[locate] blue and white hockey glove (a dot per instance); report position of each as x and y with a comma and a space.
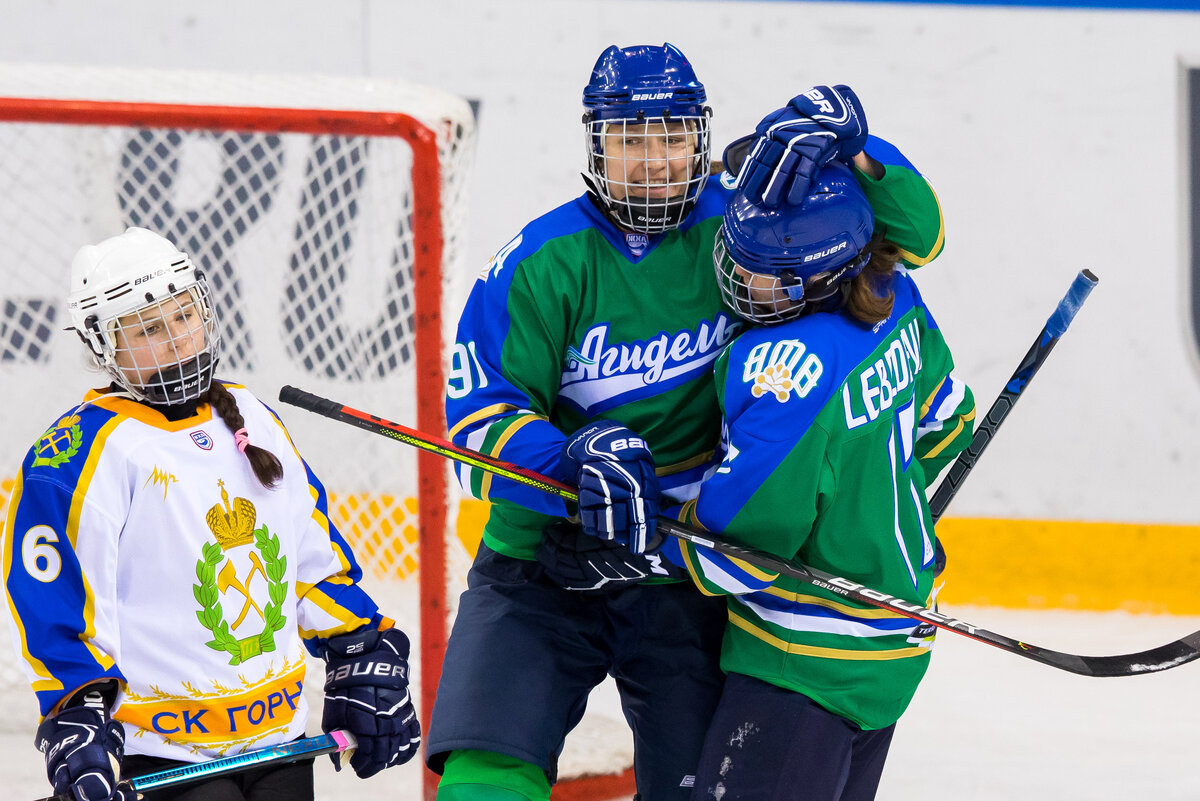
574, 561
793, 143
83, 748
618, 490
366, 693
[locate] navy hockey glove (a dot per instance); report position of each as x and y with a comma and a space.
793, 143
574, 561
366, 693
83, 748
618, 490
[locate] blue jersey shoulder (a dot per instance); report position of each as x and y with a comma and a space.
61, 452
780, 377
886, 153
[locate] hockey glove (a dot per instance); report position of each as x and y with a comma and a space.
83, 748
793, 144
574, 561
618, 490
366, 693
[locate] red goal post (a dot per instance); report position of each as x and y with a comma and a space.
328, 214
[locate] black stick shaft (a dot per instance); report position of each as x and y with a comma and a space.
1055, 327
1161, 658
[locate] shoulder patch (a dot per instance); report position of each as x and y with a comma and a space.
781, 369
56, 447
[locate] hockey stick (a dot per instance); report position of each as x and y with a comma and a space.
1161, 658
337, 741
1055, 327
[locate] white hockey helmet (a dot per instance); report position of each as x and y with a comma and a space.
146, 313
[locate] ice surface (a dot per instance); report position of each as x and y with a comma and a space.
985, 725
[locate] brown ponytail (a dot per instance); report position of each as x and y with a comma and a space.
871, 295
265, 464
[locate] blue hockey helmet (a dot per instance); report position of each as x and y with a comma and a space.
648, 141
774, 264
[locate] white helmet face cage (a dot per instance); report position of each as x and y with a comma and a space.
649, 171
756, 297
163, 352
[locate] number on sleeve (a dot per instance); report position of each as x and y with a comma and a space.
40, 557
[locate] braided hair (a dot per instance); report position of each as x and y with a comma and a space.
266, 466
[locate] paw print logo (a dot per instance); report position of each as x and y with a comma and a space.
777, 380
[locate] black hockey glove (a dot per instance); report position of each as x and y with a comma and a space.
618, 490
366, 693
791, 145
83, 748
575, 561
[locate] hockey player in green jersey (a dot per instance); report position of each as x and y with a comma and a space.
586, 351
838, 411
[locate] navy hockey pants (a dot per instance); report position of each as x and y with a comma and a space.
524, 653
771, 744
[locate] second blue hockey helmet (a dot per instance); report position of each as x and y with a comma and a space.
774, 264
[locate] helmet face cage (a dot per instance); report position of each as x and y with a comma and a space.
768, 298
649, 170
163, 352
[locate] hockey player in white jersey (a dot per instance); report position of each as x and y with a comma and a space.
169, 556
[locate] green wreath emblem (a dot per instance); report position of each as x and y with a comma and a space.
211, 615
62, 456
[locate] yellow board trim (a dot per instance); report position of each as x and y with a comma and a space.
1057, 564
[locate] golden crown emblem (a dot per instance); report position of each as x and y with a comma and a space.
233, 525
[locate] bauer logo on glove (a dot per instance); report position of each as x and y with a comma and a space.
618, 489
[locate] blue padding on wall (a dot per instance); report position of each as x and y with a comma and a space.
1142, 5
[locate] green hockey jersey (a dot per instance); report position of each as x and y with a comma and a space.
576, 319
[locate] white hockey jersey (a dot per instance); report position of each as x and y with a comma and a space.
145, 550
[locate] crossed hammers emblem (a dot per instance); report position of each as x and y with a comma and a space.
228, 578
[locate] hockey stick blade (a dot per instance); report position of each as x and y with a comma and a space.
1165, 657
337, 741
1051, 332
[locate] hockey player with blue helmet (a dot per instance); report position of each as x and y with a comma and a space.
646, 169
839, 407
585, 351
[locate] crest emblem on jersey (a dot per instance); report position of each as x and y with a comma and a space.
232, 525
775, 380
637, 242
202, 440
60, 443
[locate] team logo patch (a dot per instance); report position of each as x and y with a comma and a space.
775, 380
637, 243
59, 444
160, 477
202, 440
227, 570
